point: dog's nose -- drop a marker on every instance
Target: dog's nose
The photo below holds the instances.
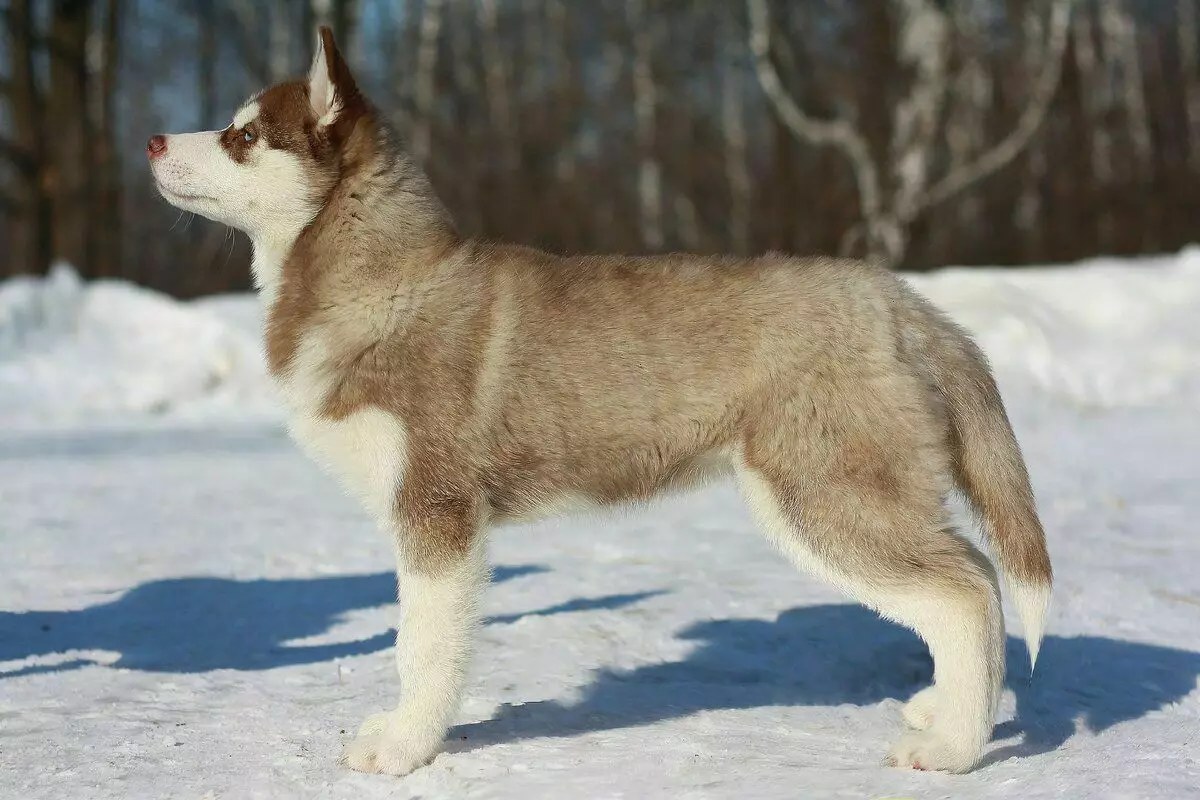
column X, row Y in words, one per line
column 157, row 146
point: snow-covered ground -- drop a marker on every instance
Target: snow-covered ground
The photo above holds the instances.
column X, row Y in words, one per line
column 190, row 609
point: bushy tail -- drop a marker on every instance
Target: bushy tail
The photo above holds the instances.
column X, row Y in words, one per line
column 989, row 468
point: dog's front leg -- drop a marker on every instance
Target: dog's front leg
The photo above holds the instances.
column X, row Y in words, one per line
column 441, row 570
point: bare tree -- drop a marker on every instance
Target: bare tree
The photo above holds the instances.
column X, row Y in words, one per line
column 206, row 63
column 733, row 123
column 971, row 94
column 279, row 48
column 1096, row 91
column 427, row 53
column 645, row 98
column 499, row 95
column 888, row 215
column 625, row 124
column 27, row 153
column 1189, row 68
column 563, row 66
column 462, row 27
column 66, row 108
column 104, row 214
column 1120, row 30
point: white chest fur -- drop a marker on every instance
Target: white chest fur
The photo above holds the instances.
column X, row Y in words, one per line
column 365, row 450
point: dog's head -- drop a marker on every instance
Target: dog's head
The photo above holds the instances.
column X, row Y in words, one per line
column 269, row 172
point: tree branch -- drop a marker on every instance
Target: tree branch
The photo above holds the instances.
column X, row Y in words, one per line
column 836, row 133
column 1029, row 123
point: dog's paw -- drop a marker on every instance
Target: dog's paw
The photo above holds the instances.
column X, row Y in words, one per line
column 920, row 710
column 388, row 744
column 926, row 750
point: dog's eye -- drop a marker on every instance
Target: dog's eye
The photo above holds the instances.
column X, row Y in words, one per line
column 248, row 136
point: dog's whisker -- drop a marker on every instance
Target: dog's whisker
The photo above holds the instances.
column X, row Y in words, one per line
column 229, row 237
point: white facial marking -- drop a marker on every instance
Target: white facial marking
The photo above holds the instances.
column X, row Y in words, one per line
column 245, row 115
column 269, row 194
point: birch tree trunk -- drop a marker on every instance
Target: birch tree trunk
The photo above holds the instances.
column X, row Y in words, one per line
column 733, row 123
column 970, row 96
column 279, row 46
column 105, row 214
column 427, row 54
column 564, row 74
column 1120, row 31
column 916, row 120
column 461, row 28
column 1097, row 92
column 1189, row 69
column 68, row 119
column 29, row 153
column 206, row 64
column 645, row 104
column 500, row 109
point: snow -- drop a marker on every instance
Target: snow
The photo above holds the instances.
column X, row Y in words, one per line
column 76, row 353
column 190, row 609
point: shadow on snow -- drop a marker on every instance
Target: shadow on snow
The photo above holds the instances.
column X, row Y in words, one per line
column 201, row 624
column 814, row 655
column 844, row 654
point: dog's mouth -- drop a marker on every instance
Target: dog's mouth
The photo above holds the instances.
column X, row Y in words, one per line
column 172, row 195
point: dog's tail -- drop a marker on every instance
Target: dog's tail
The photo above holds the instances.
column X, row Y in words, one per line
column 988, row 465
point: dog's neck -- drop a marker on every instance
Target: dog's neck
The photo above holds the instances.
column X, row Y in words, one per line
column 266, row 266
column 382, row 209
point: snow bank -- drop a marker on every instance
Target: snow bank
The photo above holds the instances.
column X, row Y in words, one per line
column 1103, row 333
column 72, row 352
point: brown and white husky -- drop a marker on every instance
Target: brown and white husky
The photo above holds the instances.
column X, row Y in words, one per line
column 454, row 384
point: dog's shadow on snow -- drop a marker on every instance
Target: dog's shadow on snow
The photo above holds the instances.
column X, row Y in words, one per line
column 189, row 625
column 816, row 655
column 844, row 654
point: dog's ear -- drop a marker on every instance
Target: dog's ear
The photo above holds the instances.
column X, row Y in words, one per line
column 332, row 91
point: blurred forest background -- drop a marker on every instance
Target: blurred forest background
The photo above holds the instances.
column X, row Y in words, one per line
column 931, row 132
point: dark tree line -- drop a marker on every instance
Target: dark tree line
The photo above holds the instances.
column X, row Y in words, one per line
column 928, row 131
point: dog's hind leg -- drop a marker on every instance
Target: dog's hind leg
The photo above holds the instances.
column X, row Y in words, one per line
column 860, row 505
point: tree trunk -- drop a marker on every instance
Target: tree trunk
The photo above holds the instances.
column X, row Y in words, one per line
column 279, row 41
column 645, row 104
column 733, row 124
column 70, row 174
column 35, row 249
column 106, row 196
column 427, row 57
column 503, row 122
column 206, row 66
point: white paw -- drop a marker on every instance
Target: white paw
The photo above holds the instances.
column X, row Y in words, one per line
column 927, row 750
column 387, row 744
column 919, row 711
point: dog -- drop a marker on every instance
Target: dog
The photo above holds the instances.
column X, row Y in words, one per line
column 454, row 384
